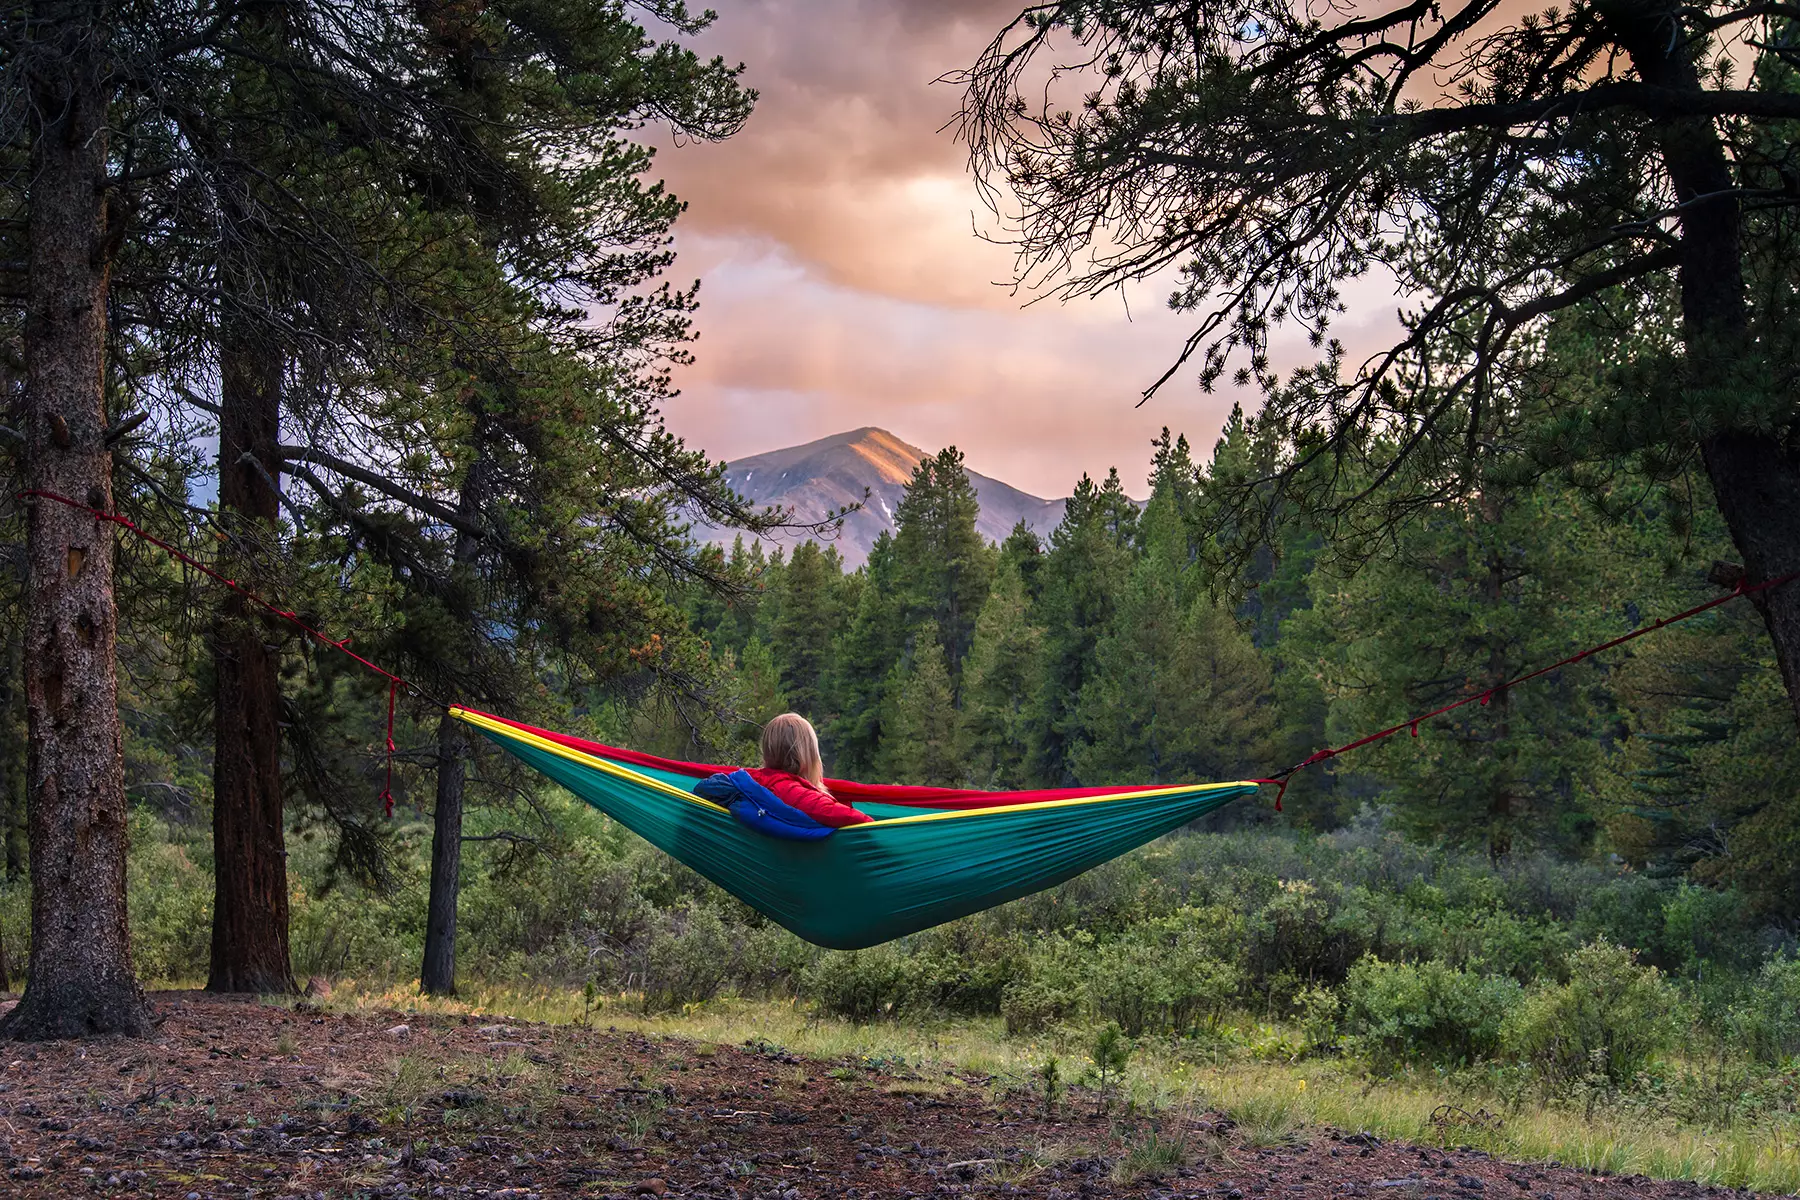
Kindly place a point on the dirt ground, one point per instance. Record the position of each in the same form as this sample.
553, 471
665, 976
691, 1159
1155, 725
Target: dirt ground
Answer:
238, 1099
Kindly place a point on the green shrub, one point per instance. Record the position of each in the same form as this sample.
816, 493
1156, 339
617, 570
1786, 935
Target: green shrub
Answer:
169, 897
1767, 1019
1306, 935
15, 926
1704, 927
1318, 1010
1053, 985
348, 931
1130, 983
1403, 1012
964, 967
686, 957
859, 985
1600, 1028
1198, 950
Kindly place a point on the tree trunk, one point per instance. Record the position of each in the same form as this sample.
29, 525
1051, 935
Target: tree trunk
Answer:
1755, 477
13, 822
1500, 800
1756, 481
81, 980
250, 899
437, 977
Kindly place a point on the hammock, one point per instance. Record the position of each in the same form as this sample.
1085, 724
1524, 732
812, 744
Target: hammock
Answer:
929, 856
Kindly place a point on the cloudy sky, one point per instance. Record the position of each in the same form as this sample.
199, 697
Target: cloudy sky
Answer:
843, 284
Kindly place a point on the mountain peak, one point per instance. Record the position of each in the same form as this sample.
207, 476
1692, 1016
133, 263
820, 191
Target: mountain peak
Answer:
822, 476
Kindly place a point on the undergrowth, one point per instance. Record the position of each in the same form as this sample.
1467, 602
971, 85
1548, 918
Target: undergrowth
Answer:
1271, 1102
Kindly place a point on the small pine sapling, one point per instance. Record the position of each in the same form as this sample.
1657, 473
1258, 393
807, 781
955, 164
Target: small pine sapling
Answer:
1050, 1082
1112, 1050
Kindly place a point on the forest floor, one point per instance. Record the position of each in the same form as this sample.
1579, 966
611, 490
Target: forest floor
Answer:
241, 1098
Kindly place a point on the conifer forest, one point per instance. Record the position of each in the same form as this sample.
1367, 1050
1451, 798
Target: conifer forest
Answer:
337, 340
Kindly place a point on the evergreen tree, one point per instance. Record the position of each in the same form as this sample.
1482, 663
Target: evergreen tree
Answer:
760, 693
1090, 558
1177, 692
1169, 526
870, 647
1268, 568
919, 743
944, 564
807, 628
59, 73
1024, 550
1475, 595
1707, 783
1004, 663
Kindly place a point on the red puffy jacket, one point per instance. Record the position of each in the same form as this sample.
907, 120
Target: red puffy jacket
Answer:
815, 802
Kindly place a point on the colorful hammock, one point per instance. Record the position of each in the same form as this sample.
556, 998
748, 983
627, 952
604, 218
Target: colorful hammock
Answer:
929, 856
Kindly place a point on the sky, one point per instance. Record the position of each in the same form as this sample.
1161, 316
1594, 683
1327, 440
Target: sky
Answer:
843, 284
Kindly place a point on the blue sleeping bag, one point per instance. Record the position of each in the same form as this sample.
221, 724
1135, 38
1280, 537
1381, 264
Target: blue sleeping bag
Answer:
759, 808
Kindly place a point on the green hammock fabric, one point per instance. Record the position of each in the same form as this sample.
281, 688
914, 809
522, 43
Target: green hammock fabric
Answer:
913, 867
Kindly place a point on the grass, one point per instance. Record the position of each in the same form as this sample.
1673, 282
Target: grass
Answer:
1150, 1156
1271, 1101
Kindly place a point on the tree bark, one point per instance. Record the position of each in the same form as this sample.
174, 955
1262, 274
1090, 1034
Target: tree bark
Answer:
1755, 475
437, 975
81, 981
1756, 481
13, 821
250, 898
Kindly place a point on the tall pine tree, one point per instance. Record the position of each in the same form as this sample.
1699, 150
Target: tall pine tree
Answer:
919, 744
1004, 664
944, 564
1088, 562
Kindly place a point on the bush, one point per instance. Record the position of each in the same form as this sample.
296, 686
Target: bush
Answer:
859, 985
686, 957
1130, 984
1705, 927
1768, 1018
169, 897
1053, 986
1599, 1029
964, 967
1401, 1012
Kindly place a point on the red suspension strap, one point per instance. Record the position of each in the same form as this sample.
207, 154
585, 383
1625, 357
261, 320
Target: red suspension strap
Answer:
1282, 778
395, 683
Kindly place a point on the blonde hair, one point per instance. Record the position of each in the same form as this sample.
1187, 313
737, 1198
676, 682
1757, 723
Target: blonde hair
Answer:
790, 744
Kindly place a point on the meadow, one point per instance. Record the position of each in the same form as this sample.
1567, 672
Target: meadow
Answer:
1536, 1009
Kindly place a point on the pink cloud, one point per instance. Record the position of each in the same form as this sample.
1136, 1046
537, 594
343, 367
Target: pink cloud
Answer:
843, 285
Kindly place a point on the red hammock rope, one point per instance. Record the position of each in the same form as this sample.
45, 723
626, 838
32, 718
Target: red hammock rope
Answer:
395, 683
1283, 778
1280, 779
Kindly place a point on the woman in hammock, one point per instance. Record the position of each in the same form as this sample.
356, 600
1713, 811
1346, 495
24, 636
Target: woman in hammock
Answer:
794, 770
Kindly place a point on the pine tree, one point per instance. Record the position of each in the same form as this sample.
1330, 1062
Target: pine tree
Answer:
867, 653
82, 980
1004, 662
1169, 526
1089, 560
1024, 550
919, 743
944, 564
1177, 693
760, 694
1477, 594
807, 628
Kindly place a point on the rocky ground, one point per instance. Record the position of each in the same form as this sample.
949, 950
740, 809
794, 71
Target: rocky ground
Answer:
239, 1099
